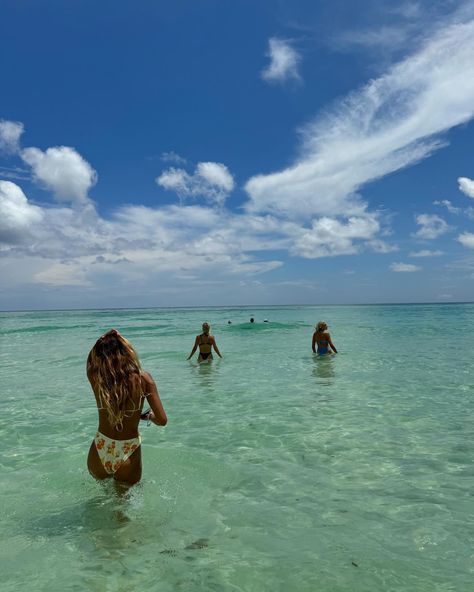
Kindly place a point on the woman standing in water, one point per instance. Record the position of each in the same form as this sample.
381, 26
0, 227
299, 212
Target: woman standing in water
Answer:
206, 343
322, 339
120, 387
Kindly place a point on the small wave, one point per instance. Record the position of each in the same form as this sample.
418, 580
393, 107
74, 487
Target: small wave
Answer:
43, 329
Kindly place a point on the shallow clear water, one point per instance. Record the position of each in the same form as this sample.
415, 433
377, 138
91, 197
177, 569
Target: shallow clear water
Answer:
278, 470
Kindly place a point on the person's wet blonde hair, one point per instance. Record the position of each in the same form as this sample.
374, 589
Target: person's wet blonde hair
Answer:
114, 370
321, 326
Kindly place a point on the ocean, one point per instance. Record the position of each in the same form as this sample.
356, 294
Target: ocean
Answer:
278, 469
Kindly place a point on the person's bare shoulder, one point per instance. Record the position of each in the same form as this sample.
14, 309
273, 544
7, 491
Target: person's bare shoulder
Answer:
148, 384
147, 377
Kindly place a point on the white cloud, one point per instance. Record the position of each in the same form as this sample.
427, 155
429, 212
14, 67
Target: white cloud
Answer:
392, 28
392, 36
63, 170
177, 180
80, 246
431, 226
426, 253
380, 246
329, 237
466, 239
284, 61
404, 267
216, 174
466, 186
17, 215
15, 172
448, 205
389, 124
10, 133
140, 242
211, 180
171, 156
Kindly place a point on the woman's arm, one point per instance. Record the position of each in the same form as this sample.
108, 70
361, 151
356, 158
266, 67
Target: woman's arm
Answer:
313, 344
157, 414
331, 344
214, 345
196, 343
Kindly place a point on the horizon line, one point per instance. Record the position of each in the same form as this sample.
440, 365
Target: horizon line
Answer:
254, 306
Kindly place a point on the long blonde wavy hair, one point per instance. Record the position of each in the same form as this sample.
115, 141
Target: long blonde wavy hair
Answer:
114, 370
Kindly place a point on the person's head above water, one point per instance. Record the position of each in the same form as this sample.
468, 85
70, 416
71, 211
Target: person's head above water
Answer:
206, 328
252, 320
114, 369
321, 326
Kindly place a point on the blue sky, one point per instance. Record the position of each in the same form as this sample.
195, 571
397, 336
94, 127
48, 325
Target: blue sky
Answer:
226, 153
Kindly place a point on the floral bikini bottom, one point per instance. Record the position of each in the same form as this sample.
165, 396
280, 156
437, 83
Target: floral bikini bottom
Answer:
113, 453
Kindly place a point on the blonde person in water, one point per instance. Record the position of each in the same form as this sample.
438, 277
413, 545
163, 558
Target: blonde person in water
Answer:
322, 340
120, 388
206, 343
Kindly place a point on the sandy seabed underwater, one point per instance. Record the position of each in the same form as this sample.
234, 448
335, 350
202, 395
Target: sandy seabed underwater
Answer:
278, 470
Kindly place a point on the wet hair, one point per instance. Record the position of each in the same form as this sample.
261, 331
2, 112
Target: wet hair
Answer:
114, 370
206, 326
321, 326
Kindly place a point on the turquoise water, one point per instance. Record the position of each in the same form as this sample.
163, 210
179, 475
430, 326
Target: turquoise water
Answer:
278, 470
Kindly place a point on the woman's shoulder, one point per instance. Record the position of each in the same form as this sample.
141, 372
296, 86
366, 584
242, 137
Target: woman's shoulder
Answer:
146, 377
